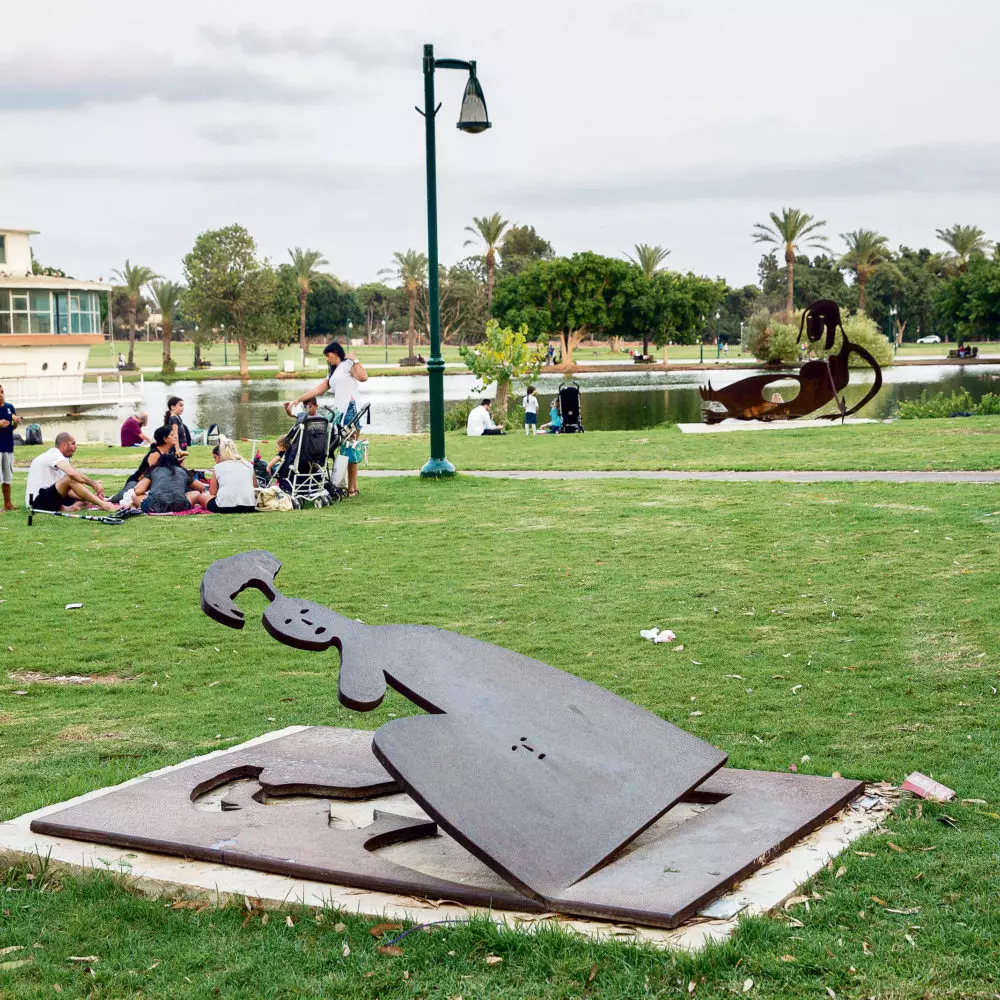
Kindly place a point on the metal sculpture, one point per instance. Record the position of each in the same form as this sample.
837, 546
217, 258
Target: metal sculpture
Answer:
820, 381
558, 786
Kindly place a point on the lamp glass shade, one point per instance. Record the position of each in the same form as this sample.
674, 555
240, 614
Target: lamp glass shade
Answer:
473, 116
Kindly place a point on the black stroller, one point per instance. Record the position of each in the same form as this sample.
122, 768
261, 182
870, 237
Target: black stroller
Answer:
569, 408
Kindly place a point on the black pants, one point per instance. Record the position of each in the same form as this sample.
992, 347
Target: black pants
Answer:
493, 430
239, 509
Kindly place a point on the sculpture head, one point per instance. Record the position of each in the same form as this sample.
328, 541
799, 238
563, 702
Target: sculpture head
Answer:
300, 623
819, 319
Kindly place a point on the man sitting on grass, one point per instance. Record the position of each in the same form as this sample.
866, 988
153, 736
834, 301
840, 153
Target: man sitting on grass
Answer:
480, 422
54, 485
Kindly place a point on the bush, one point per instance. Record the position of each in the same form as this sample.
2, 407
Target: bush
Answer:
773, 341
937, 405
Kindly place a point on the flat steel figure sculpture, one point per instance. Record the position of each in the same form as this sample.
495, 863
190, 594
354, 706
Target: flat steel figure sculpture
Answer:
820, 381
513, 755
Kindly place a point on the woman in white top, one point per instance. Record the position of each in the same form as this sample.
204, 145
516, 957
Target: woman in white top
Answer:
232, 484
344, 380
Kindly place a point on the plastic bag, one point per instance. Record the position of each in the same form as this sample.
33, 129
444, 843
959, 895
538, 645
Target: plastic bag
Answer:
339, 476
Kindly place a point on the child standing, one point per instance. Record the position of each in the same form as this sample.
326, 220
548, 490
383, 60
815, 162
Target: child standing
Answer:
530, 404
8, 421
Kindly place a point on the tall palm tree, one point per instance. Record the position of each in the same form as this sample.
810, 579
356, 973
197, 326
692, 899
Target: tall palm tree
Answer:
410, 270
867, 250
167, 296
132, 279
490, 229
648, 259
788, 230
965, 242
304, 264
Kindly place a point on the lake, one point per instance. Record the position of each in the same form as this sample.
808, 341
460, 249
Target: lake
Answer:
609, 400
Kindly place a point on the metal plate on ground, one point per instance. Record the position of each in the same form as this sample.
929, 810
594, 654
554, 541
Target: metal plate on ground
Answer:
736, 822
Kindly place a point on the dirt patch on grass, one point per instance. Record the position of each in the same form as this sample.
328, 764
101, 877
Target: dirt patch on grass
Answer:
84, 734
6, 719
34, 677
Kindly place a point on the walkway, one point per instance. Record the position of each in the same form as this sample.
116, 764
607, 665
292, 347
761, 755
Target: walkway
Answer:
716, 477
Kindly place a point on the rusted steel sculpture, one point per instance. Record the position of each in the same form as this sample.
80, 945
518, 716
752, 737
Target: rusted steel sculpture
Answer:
820, 381
558, 786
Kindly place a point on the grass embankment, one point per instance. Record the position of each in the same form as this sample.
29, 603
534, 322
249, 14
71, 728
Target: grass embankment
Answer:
879, 600
926, 445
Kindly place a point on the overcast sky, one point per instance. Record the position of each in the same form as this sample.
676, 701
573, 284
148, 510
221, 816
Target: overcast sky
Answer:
131, 127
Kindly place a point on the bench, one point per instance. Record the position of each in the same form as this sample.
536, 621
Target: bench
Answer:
964, 352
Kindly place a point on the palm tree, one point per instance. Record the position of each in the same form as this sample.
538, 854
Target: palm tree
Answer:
788, 230
167, 296
304, 264
867, 250
132, 279
410, 270
648, 259
490, 229
965, 242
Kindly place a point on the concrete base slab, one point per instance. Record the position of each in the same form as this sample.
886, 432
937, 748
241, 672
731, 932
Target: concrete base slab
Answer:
158, 875
769, 425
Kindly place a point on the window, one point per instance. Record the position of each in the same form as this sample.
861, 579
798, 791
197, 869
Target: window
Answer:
41, 312
3, 249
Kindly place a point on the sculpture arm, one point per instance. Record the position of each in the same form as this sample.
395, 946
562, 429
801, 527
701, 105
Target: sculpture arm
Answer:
876, 385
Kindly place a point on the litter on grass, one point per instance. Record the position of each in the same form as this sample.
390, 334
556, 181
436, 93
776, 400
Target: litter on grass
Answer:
655, 635
927, 788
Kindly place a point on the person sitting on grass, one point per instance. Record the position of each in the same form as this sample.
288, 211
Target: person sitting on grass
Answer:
164, 488
480, 422
555, 418
54, 485
132, 433
231, 488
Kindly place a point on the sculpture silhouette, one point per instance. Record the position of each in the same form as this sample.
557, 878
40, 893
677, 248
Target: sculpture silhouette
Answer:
820, 381
539, 774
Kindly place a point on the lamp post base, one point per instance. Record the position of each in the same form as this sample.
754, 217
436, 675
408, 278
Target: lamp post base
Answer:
436, 468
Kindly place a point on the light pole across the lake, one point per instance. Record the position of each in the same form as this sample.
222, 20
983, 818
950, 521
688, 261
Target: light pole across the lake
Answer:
472, 118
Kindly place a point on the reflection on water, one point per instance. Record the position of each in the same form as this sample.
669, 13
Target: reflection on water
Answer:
610, 401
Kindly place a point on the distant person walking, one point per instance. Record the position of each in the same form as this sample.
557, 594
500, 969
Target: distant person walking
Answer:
8, 421
530, 404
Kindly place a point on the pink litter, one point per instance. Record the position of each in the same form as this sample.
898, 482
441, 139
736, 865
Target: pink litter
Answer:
927, 788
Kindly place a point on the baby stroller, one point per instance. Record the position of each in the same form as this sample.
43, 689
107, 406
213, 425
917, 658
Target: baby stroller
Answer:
569, 408
303, 472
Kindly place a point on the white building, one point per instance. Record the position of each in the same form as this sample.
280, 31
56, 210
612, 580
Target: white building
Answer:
47, 327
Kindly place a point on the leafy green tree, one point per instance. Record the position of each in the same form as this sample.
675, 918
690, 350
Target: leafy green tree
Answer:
375, 300
462, 301
685, 301
569, 297
968, 306
965, 242
910, 286
521, 247
227, 284
490, 229
867, 251
304, 264
788, 231
410, 270
167, 296
819, 278
332, 305
131, 279
504, 355
648, 259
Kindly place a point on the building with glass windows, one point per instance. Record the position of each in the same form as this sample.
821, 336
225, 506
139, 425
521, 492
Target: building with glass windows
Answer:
48, 324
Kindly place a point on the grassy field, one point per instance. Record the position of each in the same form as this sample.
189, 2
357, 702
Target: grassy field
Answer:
938, 445
850, 625
150, 354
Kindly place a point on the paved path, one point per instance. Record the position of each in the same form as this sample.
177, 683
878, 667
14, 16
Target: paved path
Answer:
716, 477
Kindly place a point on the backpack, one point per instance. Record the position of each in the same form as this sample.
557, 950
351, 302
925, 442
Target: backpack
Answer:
33, 434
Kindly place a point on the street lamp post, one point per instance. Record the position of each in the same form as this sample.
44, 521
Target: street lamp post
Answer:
385, 340
893, 312
472, 118
225, 346
718, 342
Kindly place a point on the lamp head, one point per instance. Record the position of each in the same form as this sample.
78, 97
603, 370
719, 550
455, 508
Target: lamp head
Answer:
473, 117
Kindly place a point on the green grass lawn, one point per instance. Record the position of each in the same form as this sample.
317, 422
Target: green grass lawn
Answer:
879, 600
972, 443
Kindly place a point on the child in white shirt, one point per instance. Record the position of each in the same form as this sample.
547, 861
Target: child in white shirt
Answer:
530, 404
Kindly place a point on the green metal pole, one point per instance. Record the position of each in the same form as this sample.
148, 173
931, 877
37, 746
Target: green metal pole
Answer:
437, 465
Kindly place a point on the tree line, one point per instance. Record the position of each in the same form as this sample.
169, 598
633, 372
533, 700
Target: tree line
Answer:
514, 276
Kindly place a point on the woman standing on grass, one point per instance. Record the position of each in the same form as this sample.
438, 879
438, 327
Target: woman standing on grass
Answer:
344, 380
